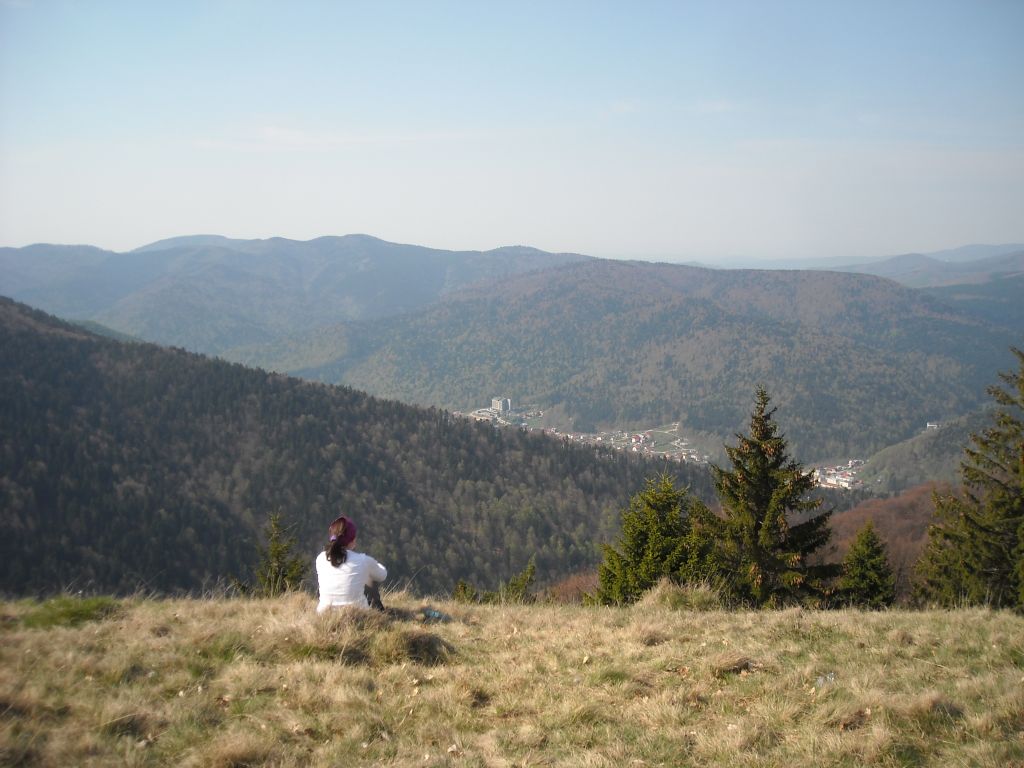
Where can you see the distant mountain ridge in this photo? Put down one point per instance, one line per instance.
(976, 251)
(969, 252)
(927, 271)
(594, 342)
(193, 241)
(210, 293)
(857, 362)
(996, 301)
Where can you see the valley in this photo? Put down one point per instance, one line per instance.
(859, 361)
(628, 369)
(489, 385)
(666, 442)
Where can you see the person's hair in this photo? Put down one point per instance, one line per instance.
(337, 549)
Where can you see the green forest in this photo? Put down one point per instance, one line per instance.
(127, 466)
(857, 362)
(764, 546)
(211, 294)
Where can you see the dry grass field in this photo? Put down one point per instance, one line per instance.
(239, 682)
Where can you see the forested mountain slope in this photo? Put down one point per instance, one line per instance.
(127, 465)
(984, 281)
(211, 294)
(931, 456)
(997, 301)
(856, 362)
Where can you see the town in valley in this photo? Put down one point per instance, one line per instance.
(665, 441)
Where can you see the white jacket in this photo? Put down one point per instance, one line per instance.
(344, 585)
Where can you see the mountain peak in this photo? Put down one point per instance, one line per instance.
(185, 241)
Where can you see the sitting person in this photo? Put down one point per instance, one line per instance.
(346, 577)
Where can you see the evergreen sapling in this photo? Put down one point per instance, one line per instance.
(279, 570)
(666, 533)
(770, 526)
(867, 580)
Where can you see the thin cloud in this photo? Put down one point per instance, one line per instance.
(624, 107)
(275, 138)
(717, 107)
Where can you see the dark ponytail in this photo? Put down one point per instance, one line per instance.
(336, 552)
(342, 532)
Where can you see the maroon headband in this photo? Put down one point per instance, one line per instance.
(348, 531)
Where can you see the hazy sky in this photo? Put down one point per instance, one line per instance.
(677, 130)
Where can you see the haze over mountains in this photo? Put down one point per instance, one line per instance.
(986, 281)
(918, 270)
(855, 361)
(209, 293)
(962, 253)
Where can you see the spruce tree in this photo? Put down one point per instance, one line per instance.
(975, 549)
(465, 592)
(770, 528)
(517, 588)
(280, 570)
(867, 580)
(666, 532)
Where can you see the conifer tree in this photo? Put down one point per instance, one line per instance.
(666, 532)
(280, 570)
(515, 590)
(975, 550)
(867, 580)
(770, 528)
(465, 592)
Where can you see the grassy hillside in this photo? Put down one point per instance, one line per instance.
(856, 362)
(219, 683)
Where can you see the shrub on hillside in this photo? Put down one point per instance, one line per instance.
(665, 534)
(867, 580)
(514, 591)
(67, 611)
(280, 570)
(695, 596)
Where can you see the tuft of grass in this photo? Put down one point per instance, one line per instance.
(733, 664)
(136, 724)
(236, 748)
(67, 611)
(703, 596)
